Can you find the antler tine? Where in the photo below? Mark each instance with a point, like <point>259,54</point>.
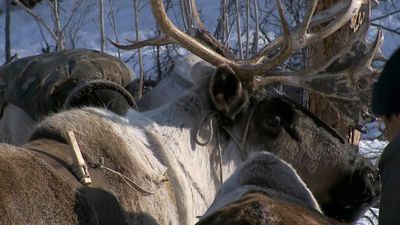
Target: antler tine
<point>204,36</point>
<point>377,55</point>
<point>285,42</point>
<point>140,44</point>
<point>300,78</point>
<point>345,16</point>
<point>300,40</point>
<point>297,78</point>
<point>191,43</point>
<point>285,25</point>
<point>370,56</point>
<point>291,41</point>
<point>326,15</point>
<point>318,19</point>
<point>287,37</point>
<point>196,15</point>
<point>308,16</point>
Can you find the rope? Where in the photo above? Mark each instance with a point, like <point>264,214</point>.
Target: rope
<point>221,178</point>
<point>240,143</point>
<point>127,180</point>
<point>243,140</point>
<point>210,117</point>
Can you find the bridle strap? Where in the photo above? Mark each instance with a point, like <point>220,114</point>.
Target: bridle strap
<point>241,144</point>
<point>210,116</point>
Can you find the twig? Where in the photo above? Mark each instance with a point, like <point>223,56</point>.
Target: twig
<point>385,28</point>
<point>113,24</point>
<point>56,19</point>
<point>141,69</point>
<point>384,16</point>
<point>238,29</point>
<point>8,31</point>
<point>256,35</point>
<point>102,34</point>
<point>37,18</point>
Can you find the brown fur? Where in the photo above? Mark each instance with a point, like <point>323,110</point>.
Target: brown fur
<point>259,209</point>
<point>103,141</point>
<point>138,149</point>
<point>32,192</point>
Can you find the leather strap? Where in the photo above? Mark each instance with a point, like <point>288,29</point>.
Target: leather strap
<point>57,155</point>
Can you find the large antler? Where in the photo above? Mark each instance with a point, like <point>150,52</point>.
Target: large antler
<point>344,84</point>
<point>344,79</point>
<point>293,39</point>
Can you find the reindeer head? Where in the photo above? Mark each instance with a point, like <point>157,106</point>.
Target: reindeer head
<point>280,126</point>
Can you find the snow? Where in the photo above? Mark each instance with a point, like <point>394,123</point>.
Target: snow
<point>370,218</point>
<point>27,39</point>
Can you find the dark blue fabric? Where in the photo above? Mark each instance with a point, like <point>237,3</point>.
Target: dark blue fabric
<point>389,166</point>
<point>386,91</point>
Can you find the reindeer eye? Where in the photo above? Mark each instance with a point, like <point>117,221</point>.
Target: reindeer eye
<point>362,84</point>
<point>274,121</point>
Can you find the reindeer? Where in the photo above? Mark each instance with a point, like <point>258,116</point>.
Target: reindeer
<point>165,165</point>
<point>264,190</point>
<point>347,87</point>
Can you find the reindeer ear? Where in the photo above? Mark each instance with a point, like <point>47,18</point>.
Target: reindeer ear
<point>227,92</point>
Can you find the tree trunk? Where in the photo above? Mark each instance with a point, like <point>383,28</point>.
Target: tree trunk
<point>141,66</point>
<point>8,31</point>
<point>57,23</point>
<point>102,34</point>
<point>317,55</point>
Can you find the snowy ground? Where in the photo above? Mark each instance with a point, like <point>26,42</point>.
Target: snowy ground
<point>28,39</point>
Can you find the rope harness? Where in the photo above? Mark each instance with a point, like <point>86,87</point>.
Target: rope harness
<point>241,144</point>
<point>53,153</point>
<point>132,184</point>
<point>211,116</point>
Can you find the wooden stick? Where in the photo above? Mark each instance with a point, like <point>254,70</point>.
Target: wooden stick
<point>79,166</point>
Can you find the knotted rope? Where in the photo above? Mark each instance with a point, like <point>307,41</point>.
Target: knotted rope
<point>241,144</point>
<point>83,174</point>
<point>132,184</point>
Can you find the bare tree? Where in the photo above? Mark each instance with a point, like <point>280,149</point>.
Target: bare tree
<point>8,31</point>
<point>389,17</point>
<point>74,19</point>
<point>141,66</point>
<point>42,22</point>
<point>114,26</point>
<point>56,18</point>
<point>247,27</point>
<point>257,27</point>
<point>102,34</point>
<point>238,29</point>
